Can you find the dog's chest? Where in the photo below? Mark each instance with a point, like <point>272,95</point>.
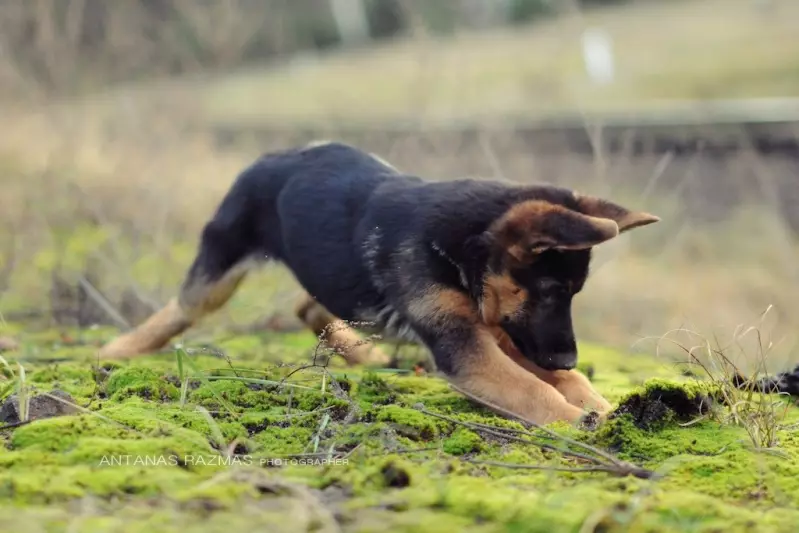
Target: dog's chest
<point>387,322</point>
<point>382,318</point>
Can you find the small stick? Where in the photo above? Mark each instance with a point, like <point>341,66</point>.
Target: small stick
<point>497,432</point>
<point>549,432</point>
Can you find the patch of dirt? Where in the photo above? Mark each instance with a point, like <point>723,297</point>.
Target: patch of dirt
<point>395,476</point>
<point>657,405</point>
<point>55,403</point>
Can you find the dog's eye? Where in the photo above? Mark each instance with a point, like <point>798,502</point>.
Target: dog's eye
<point>516,291</point>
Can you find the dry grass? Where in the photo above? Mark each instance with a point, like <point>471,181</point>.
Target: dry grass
<point>688,50</point>
<point>116,189</point>
<point>739,393</point>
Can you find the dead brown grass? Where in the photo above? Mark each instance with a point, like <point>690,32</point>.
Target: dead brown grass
<point>115,189</point>
<point>665,51</point>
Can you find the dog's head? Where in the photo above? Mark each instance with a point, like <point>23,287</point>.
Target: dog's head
<point>539,253</point>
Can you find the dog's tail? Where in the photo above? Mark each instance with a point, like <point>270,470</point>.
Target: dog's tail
<point>780,383</point>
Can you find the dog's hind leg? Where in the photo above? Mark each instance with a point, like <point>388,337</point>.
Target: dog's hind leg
<point>337,335</point>
<point>219,268</point>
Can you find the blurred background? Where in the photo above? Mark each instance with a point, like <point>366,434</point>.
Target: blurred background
<point>124,123</point>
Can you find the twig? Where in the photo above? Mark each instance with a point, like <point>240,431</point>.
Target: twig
<point>17,424</point>
<point>622,468</point>
<point>277,384</point>
<point>497,432</point>
<point>514,466</point>
<point>345,455</point>
<point>549,432</point>
<point>615,466</point>
<point>104,304</point>
<point>357,446</point>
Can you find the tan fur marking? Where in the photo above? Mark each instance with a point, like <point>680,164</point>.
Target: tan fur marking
<point>151,335</point>
<point>519,231</point>
<point>338,335</point>
<point>625,219</point>
<point>200,298</point>
<point>490,374</point>
<point>438,303</point>
<point>524,215</point>
<point>517,227</point>
<point>501,297</point>
<point>573,385</point>
<point>195,301</point>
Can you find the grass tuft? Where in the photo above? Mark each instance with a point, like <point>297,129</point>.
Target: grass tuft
<point>744,401</point>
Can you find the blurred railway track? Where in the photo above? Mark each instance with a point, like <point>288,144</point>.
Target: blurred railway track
<point>716,156</point>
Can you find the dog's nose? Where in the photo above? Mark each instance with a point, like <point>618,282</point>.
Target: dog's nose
<point>564,361</point>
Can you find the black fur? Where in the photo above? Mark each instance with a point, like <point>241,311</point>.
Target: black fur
<point>781,383</point>
<point>552,282</point>
<point>365,240</point>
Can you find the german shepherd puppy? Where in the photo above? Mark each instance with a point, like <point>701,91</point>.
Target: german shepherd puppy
<point>480,272</point>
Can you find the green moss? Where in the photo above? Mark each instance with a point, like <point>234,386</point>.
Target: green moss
<point>404,470</point>
<point>463,441</point>
<point>194,421</point>
<point>142,382</point>
<point>312,400</point>
<point>409,421</point>
<point>373,390</point>
<point>279,441</point>
<point>236,392</point>
<point>63,433</point>
<point>623,437</point>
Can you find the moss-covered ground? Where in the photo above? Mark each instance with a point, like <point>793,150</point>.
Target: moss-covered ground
<point>243,438</point>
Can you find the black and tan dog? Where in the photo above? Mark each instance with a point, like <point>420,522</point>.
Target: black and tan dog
<point>480,272</point>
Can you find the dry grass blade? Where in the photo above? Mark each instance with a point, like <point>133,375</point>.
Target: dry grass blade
<point>23,394</point>
<point>554,435</point>
<point>747,400</point>
<point>515,466</point>
<point>216,432</point>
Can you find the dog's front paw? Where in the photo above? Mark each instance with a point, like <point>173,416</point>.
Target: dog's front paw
<point>592,420</point>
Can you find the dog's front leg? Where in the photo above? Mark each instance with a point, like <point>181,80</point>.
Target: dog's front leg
<point>483,370</point>
<point>465,350</point>
<point>473,361</point>
<point>573,385</point>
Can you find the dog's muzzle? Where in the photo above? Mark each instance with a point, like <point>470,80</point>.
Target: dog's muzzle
<point>564,361</point>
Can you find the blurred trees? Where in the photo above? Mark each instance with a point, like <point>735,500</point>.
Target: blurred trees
<point>62,45</point>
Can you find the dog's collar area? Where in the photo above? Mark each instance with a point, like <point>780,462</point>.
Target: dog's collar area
<point>464,281</point>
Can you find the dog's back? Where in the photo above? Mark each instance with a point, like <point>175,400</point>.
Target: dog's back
<point>302,207</point>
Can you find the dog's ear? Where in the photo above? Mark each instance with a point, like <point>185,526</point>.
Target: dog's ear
<point>624,218</point>
<point>534,226</point>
